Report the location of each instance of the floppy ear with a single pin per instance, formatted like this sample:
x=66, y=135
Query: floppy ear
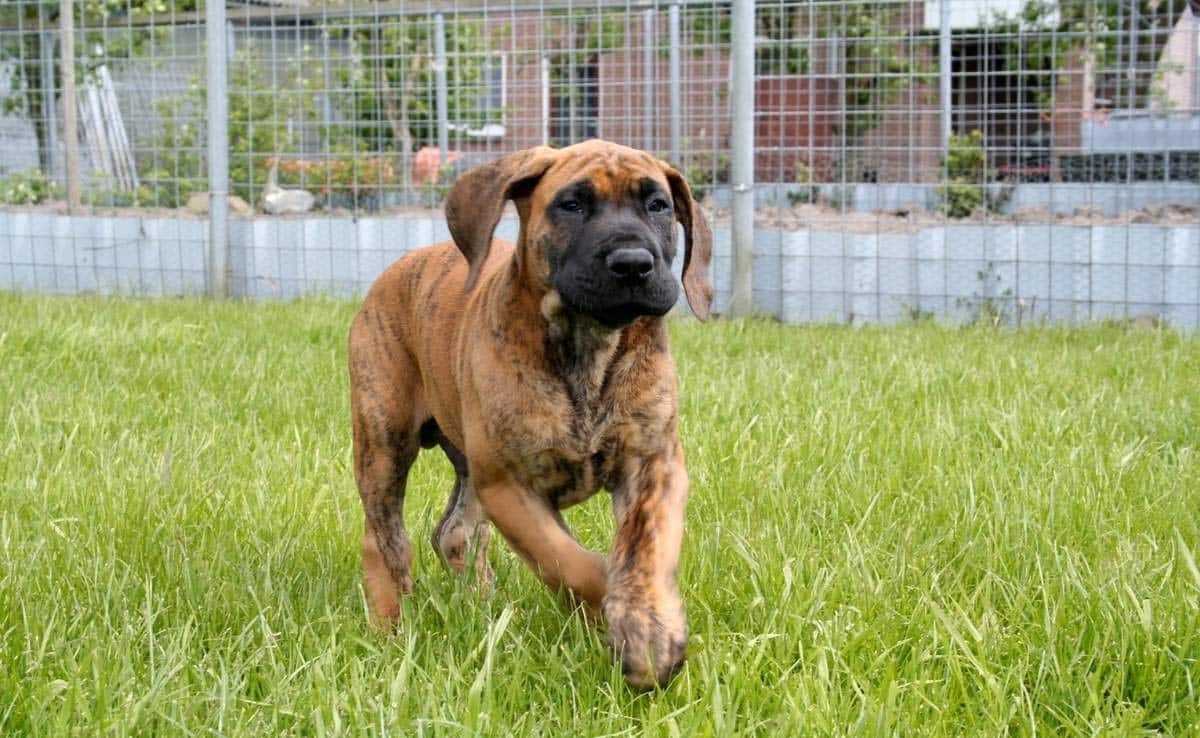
x=476, y=201
x=697, y=244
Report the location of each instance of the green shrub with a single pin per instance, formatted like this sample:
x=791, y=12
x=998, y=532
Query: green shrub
x=704, y=169
x=109, y=196
x=387, y=93
x=258, y=130
x=961, y=200
x=803, y=175
x=967, y=175
x=28, y=188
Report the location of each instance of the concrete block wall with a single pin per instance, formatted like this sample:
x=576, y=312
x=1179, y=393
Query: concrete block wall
x=79, y=255
x=1052, y=272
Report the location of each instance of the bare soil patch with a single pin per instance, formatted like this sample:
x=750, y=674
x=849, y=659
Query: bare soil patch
x=799, y=217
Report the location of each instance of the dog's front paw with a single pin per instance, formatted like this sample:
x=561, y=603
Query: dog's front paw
x=650, y=640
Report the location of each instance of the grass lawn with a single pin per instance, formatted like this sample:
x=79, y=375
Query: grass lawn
x=908, y=531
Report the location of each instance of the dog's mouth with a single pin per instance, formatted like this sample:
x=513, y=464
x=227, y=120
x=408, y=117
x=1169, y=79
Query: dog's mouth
x=615, y=300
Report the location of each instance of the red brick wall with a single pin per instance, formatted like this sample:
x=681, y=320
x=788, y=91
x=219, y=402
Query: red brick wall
x=704, y=97
x=906, y=146
x=796, y=115
x=1073, y=101
x=794, y=120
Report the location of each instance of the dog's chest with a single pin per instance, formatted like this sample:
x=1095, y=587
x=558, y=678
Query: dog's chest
x=569, y=449
x=566, y=474
x=549, y=443
x=572, y=420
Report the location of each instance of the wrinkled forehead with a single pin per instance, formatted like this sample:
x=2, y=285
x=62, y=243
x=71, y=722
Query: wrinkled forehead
x=613, y=174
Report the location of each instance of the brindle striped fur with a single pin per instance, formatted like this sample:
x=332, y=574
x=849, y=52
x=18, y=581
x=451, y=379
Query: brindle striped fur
x=537, y=406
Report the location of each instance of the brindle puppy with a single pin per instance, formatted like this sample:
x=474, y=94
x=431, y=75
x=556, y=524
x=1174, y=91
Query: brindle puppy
x=543, y=372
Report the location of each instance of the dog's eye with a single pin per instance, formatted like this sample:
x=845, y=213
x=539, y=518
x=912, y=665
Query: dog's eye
x=571, y=206
x=658, y=205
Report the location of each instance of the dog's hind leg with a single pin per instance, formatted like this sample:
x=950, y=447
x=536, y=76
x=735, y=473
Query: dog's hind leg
x=386, y=408
x=387, y=553
x=463, y=524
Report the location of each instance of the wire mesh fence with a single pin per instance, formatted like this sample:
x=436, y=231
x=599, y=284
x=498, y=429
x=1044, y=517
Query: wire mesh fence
x=1002, y=160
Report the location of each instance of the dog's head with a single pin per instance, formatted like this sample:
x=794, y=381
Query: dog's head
x=597, y=226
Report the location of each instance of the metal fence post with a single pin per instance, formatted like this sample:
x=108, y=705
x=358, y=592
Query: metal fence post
x=66, y=24
x=215, y=34
x=439, y=71
x=945, y=69
x=741, y=301
x=545, y=84
x=48, y=106
x=648, y=77
x=674, y=73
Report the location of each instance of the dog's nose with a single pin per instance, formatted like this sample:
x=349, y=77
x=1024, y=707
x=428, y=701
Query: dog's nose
x=630, y=264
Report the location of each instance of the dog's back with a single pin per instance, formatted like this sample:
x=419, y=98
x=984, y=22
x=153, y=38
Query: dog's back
x=425, y=286
x=418, y=302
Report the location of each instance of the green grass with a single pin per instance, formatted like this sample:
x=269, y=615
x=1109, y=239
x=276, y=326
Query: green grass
x=908, y=531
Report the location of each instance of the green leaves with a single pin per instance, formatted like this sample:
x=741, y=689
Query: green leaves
x=387, y=88
x=966, y=176
x=27, y=188
x=262, y=124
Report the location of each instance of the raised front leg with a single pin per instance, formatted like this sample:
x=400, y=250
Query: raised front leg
x=646, y=623
x=535, y=530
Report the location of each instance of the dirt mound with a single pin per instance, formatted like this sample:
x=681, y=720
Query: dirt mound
x=912, y=218
x=905, y=219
